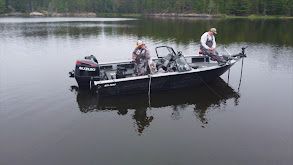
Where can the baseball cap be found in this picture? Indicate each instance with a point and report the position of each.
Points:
(214, 30)
(139, 42)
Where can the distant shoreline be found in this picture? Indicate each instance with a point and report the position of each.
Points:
(86, 14)
(94, 15)
(194, 15)
(223, 16)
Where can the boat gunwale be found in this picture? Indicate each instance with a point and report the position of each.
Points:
(96, 82)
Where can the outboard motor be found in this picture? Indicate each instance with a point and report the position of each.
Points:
(86, 70)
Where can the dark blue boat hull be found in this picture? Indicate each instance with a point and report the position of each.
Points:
(161, 83)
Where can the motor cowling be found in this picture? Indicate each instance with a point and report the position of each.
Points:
(85, 70)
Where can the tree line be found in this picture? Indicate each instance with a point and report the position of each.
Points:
(235, 7)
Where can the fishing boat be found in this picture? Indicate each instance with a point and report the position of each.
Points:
(173, 71)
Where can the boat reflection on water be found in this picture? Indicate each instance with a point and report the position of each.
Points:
(202, 99)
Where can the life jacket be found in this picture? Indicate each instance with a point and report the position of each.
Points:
(140, 52)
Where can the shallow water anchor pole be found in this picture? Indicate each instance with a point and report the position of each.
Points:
(240, 75)
(228, 76)
(149, 93)
(229, 63)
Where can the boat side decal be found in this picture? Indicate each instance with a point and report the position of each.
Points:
(110, 85)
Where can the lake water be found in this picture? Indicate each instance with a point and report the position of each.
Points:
(45, 119)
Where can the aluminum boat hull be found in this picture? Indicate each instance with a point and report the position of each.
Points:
(161, 82)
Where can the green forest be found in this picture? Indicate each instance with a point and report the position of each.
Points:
(229, 7)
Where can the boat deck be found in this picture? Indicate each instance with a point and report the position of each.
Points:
(114, 70)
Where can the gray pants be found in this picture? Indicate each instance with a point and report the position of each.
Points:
(213, 54)
(140, 67)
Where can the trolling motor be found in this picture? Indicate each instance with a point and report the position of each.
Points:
(243, 51)
(242, 54)
(231, 57)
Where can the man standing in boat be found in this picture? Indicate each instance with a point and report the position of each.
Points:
(208, 46)
(142, 58)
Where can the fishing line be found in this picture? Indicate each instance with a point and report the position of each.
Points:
(227, 51)
(208, 86)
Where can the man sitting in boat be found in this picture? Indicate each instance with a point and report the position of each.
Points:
(142, 58)
(208, 46)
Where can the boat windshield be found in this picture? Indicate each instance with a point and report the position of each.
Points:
(164, 51)
(182, 65)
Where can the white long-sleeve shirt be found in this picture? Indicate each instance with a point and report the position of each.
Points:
(204, 39)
